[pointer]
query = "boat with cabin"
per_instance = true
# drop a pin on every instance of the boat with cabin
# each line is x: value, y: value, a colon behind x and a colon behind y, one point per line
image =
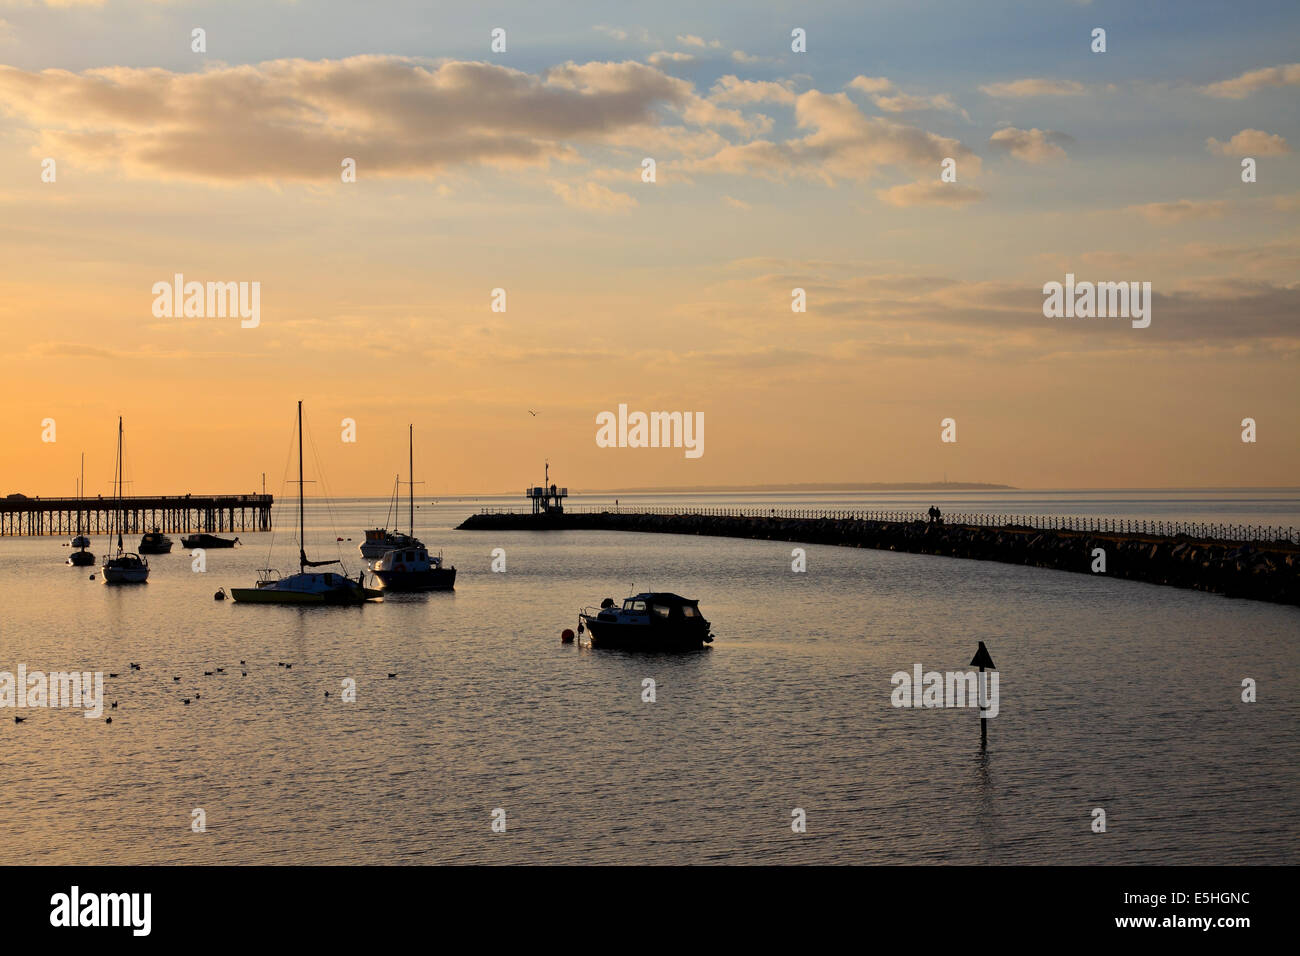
x: 411, y: 567
x: 650, y: 621
x: 379, y: 541
x: 155, y: 542
x: 206, y: 541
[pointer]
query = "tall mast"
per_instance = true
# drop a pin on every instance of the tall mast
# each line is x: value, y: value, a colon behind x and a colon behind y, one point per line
x: 302, y: 528
x: 410, y: 470
x: 81, y: 484
x: 119, y: 484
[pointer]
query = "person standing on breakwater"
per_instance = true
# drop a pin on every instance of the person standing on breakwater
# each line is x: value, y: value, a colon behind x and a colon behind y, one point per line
x: 935, y: 516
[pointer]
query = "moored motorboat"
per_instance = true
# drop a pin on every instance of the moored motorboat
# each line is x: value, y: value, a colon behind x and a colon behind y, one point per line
x: 379, y: 541
x: 651, y: 621
x: 81, y: 558
x: 413, y: 569
x: 155, y: 542
x: 191, y: 541
x: 410, y: 567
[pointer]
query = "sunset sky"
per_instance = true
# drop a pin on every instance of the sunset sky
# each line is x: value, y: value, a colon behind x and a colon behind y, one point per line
x: 775, y: 169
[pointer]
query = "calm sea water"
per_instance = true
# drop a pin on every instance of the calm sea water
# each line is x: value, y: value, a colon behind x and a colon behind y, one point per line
x: 1116, y: 695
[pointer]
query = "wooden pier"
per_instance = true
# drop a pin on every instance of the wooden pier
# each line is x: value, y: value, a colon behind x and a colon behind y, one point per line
x: 180, y: 513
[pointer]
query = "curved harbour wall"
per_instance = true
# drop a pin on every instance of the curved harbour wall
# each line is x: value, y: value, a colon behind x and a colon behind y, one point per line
x: 1258, y: 570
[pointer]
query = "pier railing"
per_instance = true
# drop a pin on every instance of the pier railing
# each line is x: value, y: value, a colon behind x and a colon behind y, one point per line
x: 1095, y: 524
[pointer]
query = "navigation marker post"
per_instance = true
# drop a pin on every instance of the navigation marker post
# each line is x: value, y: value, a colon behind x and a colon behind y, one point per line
x: 982, y: 659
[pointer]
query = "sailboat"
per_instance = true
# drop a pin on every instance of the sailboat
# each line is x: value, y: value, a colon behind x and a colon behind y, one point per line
x: 124, y: 567
x: 410, y: 567
x: 81, y: 558
x: 305, y: 587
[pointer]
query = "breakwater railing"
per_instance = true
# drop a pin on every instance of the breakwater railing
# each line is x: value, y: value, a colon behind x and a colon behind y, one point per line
x: 179, y: 513
x: 1090, y: 524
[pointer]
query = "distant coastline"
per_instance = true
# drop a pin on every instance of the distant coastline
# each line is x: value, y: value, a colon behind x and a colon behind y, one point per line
x: 808, y: 486
x: 880, y: 486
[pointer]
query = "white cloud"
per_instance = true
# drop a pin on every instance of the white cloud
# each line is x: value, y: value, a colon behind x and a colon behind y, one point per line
x: 1239, y: 87
x: 732, y: 89
x: 1250, y: 142
x: 840, y: 143
x: 1034, y: 86
x: 1031, y: 145
x: 876, y: 87
x: 690, y: 39
x: 665, y: 56
x: 870, y: 84
x: 296, y: 119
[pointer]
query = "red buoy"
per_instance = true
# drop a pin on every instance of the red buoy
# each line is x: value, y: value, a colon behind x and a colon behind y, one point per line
x: 566, y: 636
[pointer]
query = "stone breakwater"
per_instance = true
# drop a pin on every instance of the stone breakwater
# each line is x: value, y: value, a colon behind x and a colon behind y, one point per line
x: 1258, y: 570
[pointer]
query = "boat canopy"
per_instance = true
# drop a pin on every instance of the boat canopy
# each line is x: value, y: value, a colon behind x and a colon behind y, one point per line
x: 664, y: 597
